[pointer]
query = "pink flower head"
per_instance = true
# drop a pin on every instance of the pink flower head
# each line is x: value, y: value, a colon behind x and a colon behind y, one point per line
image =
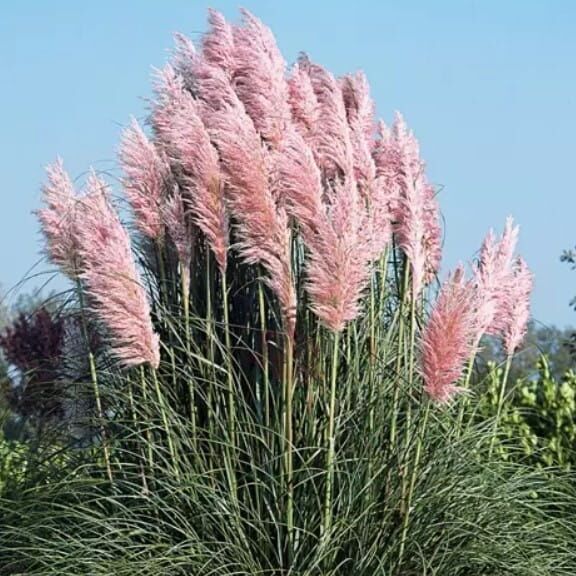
x: 331, y: 138
x: 493, y: 275
x: 169, y: 86
x: 188, y: 144
x: 218, y: 44
x: 212, y: 87
x: 448, y: 338
x: 303, y: 102
x: 180, y: 232
x: 262, y: 226
x: 432, y: 234
x: 358, y: 103
x: 387, y: 158
x: 379, y: 221
x: 184, y: 58
x: 517, y: 309
x: 112, y: 281
x: 360, y: 113
x: 145, y: 174
x: 56, y: 219
x: 259, y: 78
x: 417, y: 219
x: 338, y: 268
x: 299, y: 180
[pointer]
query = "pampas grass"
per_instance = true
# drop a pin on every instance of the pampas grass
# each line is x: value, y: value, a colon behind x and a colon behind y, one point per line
x: 279, y: 375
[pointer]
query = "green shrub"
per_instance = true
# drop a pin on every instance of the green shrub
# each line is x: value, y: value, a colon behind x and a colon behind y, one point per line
x: 538, y: 423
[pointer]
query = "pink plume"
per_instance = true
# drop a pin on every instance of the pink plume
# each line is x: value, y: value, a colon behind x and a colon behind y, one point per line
x: 303, y: 102
x: 338, y: 269
x: 360, y: 113
x: 262, y: 226
x: 417, y: 219
x: 168, y: 87
x: 259, y: 78
x: 57, y: 218
x: 493, y: 276
x: 517, y: 310
x: 146, y: 172
x: 331, y: 138
x: 448, y: 338
x: 188, y: 144
x: 112, y: 281
x: 358, y: 103
x: 212, y: 87
x: 180, y: 232
x: 218, y: 44
x: 184, y: 58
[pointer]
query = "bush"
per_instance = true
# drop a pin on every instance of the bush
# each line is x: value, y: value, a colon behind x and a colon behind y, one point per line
x: 538, y: 419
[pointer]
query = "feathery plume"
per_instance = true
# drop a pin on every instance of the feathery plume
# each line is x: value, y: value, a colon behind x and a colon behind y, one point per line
x: 56, y: 219
x: 212, y: 88
x: 112, y: 281
x: 303, y: 102
x: 189, y: 147
x: 358, y: 103
x: 169, y: 85
x: 338, y: 268
x: 262, y: 226
x: 379, y: 221
x: 387, y: 159
x: 184, y: 58
x: 417, y: 218
x: 432, y: 234
x: 259, y: 78
x: 146, y: 171
x: 218, y: 43
x: 448, y: 338
x: 493, y: 275
x: 300, y: 181
x: 517, y: 310
x: 331, y: 138
x: 180, y: 232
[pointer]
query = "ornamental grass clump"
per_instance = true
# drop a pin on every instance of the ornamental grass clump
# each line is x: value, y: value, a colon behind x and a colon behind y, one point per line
x: 280, y: 373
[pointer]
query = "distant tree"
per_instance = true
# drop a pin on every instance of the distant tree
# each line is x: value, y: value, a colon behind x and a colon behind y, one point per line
x: 569, y: 256
x: 552, y: 342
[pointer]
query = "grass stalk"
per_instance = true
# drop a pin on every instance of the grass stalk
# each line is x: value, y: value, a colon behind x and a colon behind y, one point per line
x: 500, y: 404
x: 231, y: 388
x: 289, y: 441
x: 327, y: 522
x: 95, y: 385
x: 165, y: 422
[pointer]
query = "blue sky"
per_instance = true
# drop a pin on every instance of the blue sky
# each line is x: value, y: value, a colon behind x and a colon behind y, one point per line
x: 488, y: 86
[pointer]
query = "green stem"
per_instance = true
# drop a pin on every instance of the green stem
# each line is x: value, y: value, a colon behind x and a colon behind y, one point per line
x: 149, y: 440
x: 142, y: 457
x: 164, y: 414
x: 210, y: 336
x: 406, y: 521
x: 399, y: 359
x: 500, y: 402
x: 408, y: 425
x: 327, y: 523
x: 465, y: 401
x: 289, y: 441
x: 231, y: 391
x: 95, y: 385
x: 185, y: 280
x: 265, y: 361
